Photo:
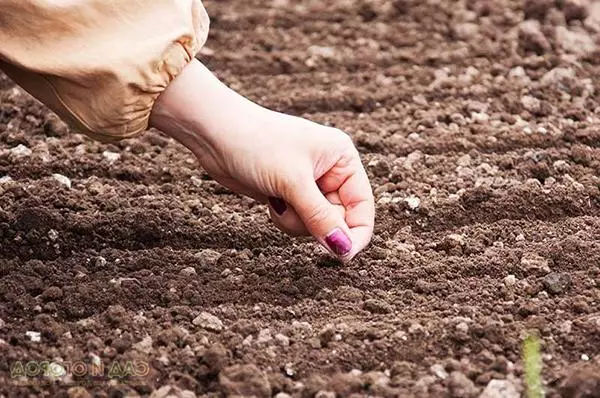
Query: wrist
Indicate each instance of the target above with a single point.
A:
(196, 109)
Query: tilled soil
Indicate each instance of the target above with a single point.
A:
(479, 123)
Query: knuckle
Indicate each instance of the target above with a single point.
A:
(316, 216)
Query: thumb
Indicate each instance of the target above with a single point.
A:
(322, 219)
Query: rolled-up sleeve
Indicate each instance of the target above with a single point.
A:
(100, 64)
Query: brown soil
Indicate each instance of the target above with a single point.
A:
(491, 122)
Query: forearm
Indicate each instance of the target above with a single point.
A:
(196, 107)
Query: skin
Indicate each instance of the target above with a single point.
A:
(264, 154)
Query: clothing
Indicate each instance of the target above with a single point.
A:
(100, 64)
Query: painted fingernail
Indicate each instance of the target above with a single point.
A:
(278, 205)
(339, 242)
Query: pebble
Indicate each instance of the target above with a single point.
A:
(62, 180)
(376, 306)
(144, 345)
(244, 380)
(78, 392)
(282, 339)
(558, 77)
(532, 38)
(466, 30)
(111, 157)
(439, 371)
(510, 280)
(36, 337)
(461, 386)
(322, 51)
(283, 395)
(579, 43)
(557, 282)
(325, 394)
(20, 151)
(264, 336)
(208, 321)
(172, 392)
(532, 263)
(500, 389)
(188, 271)
(585, 357)
(53, 235)
(208, 257)
(413, 202)
(531, 104)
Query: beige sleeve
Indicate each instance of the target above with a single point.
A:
(100, 64)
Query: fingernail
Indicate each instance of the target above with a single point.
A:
(278, 205)
(339, 242)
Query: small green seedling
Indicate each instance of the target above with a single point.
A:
(532, 362)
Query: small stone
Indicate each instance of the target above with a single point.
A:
(500, 389)
(531, 37)
(208, 257)
(244, 380)
(377, 306)
(585, 357)
(466, 30)
(510, 280)
(531, 104)
(557, 282)
(282, 395)
(172, 392)
(462, 327)
(264, 336)
(325, 394)
(480, 117)
(579, 43)
(111, 157)
(20, 151)
(78, 392)
(322, 51)
(461, 386)
(413, 202)
(63, 180)
(208, 321)
(188, 271)
(144, 345)
(533, 264)
(282, 339)
(558, 77)
(53, 235)
(226, 272)
(326, 334)
(36, 337)
(439, 371)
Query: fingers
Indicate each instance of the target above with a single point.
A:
(322, 218)
(351, 183)
(356, 196)
(284, 216)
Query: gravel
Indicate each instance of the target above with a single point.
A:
(208, 321)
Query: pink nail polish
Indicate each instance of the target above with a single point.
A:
(339, 242)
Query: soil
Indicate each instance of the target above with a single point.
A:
(478, 122)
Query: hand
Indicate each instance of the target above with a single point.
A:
(311, 175)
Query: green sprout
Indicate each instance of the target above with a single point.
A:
(532, 362)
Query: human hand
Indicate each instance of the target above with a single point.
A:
(311, 175)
